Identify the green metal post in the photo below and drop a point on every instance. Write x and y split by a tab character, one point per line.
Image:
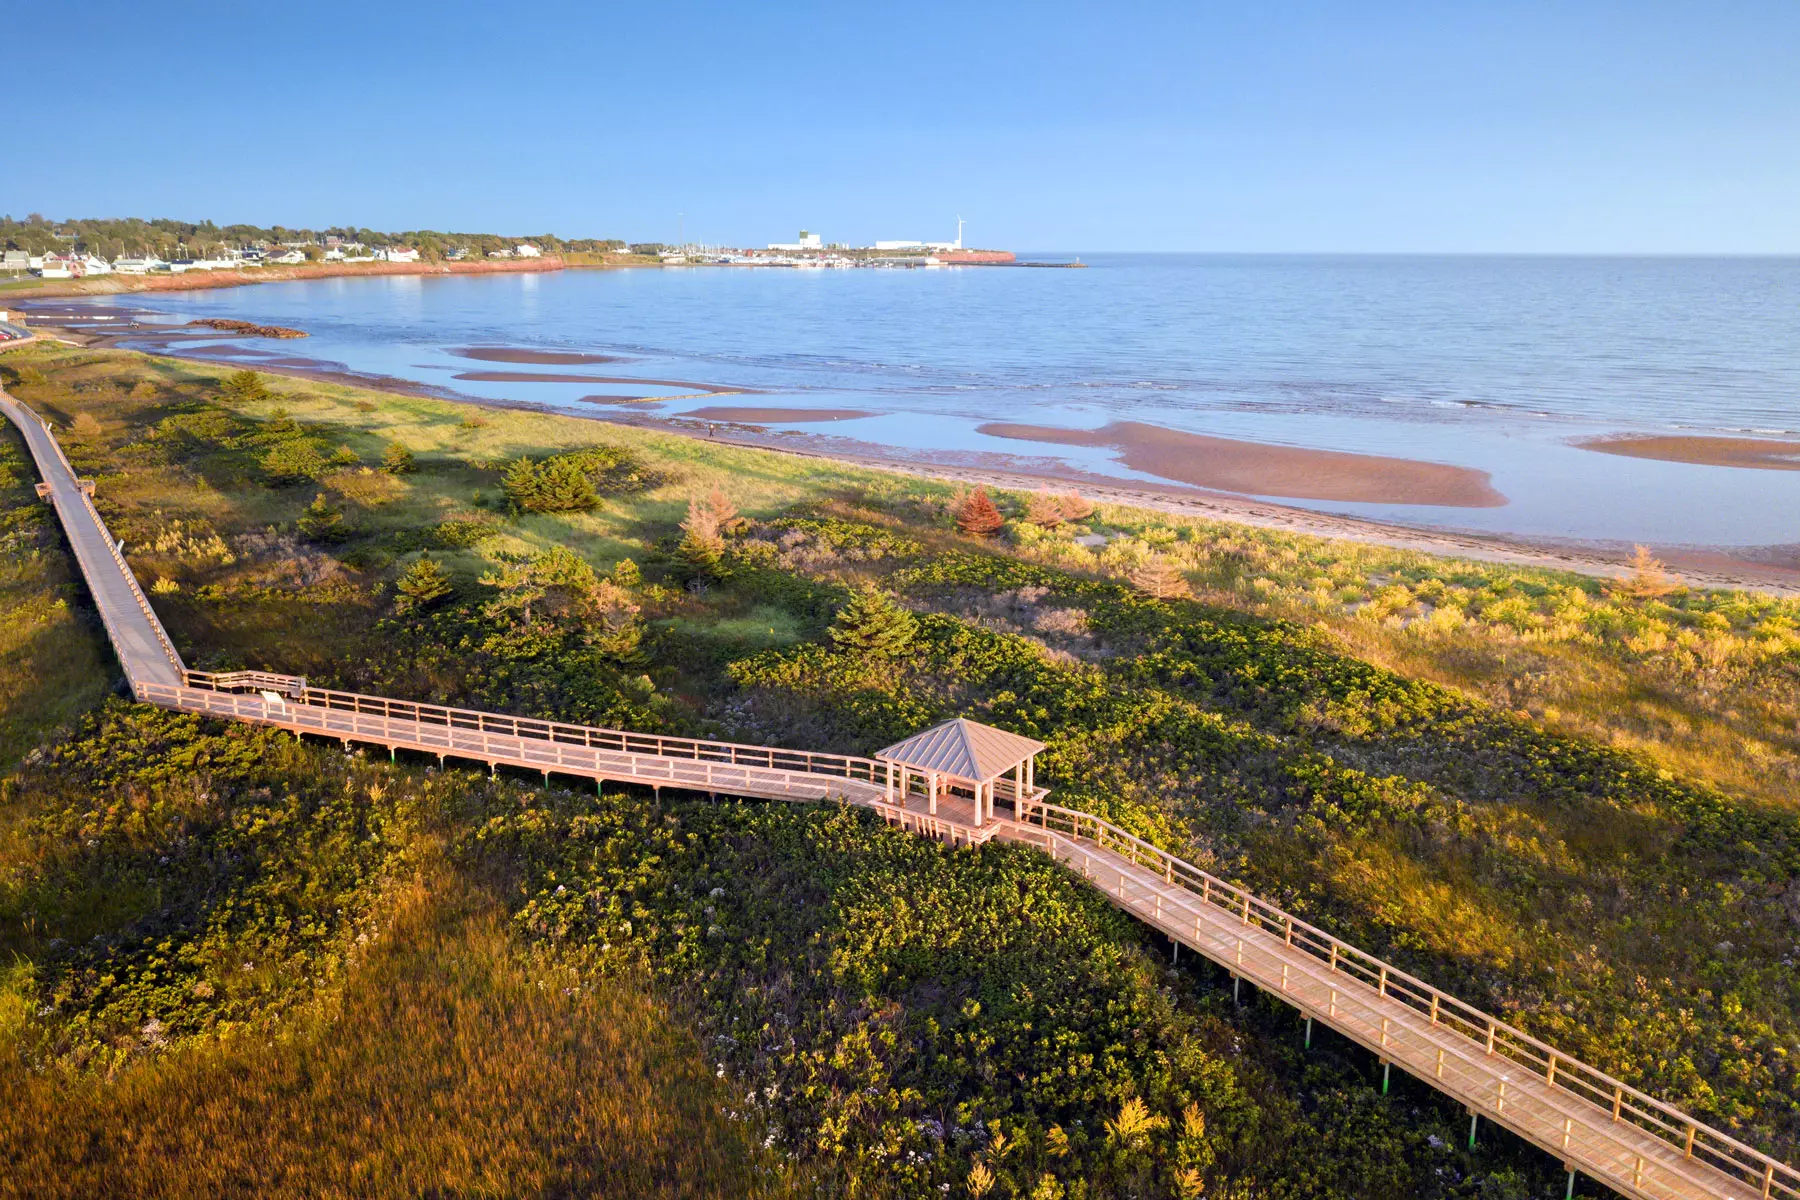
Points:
1570	1194
1309	1033
1473	1117
1386	1070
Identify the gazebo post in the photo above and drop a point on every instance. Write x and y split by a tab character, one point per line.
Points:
932	781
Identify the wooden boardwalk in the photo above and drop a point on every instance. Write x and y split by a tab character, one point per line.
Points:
1590	1121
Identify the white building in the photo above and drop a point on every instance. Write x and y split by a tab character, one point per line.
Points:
290	259
527	250
94	265
59	266
401	254
808	241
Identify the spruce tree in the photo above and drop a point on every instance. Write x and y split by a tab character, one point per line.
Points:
872	625
397	459
423	584
321	522
243	387
977	516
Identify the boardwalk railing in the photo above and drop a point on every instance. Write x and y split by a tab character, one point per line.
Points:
82	497
1493	1036
623	741
1169	891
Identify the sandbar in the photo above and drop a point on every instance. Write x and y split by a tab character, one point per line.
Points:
1763	454
776	416
1264	470
629	380
540	358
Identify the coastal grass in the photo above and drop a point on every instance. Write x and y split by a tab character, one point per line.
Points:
1561	797
51	669
456	1062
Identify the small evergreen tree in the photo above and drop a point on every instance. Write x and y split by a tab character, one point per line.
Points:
1075	506
321	522
397	459
1649	580
1045	510
424	584
245	387
873	625
702	548
555	485
1159	579
977	516
295	460
626	574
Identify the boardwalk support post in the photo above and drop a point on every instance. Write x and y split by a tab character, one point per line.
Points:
1474	1117
1570	1194
1387	1069
1309	1033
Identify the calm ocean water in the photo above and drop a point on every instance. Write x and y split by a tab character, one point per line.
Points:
1493	363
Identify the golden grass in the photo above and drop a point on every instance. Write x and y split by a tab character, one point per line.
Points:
51	667
455	1064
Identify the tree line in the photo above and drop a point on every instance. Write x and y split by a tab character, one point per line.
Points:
166	238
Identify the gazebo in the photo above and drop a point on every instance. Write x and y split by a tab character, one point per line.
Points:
963	759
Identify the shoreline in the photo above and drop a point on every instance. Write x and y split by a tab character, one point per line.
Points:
195	281
1774	569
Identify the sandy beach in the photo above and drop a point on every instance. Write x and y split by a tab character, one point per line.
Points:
1763	454
1231	465
1774	569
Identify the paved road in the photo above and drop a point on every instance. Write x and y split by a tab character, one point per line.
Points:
137	636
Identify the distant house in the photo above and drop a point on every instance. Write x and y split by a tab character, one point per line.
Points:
15	260
527	250
59	266
290	259
94	265
334	255
500	253
402	254
457	255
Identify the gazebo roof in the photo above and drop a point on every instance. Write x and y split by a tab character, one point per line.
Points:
963	748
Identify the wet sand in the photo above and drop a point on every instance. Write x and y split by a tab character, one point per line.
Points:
776	416
1764	454
1259	469
1774	568
539	358
708	389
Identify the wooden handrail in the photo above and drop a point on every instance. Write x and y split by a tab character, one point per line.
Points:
699	749
1489	1034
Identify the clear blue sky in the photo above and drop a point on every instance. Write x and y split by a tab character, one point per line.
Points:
1652	126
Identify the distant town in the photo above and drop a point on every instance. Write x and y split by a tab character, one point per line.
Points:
79	249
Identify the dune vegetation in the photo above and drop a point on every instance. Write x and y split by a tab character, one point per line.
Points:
1566	799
